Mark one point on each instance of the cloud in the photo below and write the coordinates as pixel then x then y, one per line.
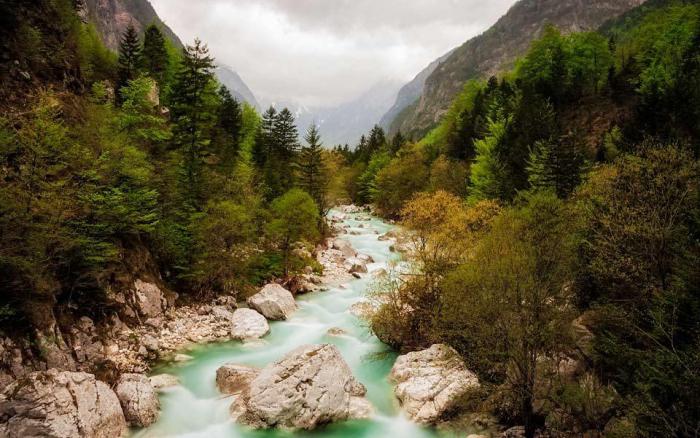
pixel 323 52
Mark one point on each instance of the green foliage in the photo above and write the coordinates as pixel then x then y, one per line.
pixel 155 55
pixel 294 218
pixel 129 56
pixel 366 182
pixel 398 181
pixel 556 165
pixel 486 177
pixel 313 174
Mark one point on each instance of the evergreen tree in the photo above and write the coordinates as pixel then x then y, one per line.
pixel 155 55
pixel 556 165
pixel 397 142
pixel 285 149
pixel 129 56
pixel 377 139
pixel 313 177
pixel 229 125
pixel 262 152
pixel 194 108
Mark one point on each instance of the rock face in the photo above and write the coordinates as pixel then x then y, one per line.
pixel 234 379
pixel 309 387
pixel 274 302
pixel 429 382
pixel 60 405
pixel 150 300
pixel 248 324
pixel 138 399
pixel 496 49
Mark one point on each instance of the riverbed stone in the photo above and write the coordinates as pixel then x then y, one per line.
pixel 311 386
pixel 355 266
pixel 162 381
pixel 150 300
pixel 344 247
pixel 248 324
pixel 274 302
pixel 232 378
pixel 430 382
pixel 138 399
pixel 60 404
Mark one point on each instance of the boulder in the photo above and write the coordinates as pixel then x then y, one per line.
pixel 182 357
pixel 138 399
pixel 311 386
pixel 430 382
pixel 149 299
pixel 234 379
pixel 355 265
pixel 87 346
pixel 248 324
pixel 274 302
pixel 365 258
pixel 161 381
pixel 344 247
pixel 60 404
pixel 221 313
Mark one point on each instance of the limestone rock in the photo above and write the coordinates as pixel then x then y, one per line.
pixel 429 382
pixel 233 379
pixel 311 386
pixel 274 302
pixel 138 399
pixel 61 404
pixel 344 247
pixel 248 324
pixel 355 266
pixel 150 300
pixel 161 381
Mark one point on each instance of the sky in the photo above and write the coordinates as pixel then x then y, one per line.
pixel 325 52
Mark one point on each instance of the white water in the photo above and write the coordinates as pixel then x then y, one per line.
pixel 197 409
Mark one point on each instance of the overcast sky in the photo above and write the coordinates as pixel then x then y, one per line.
pixel 324 52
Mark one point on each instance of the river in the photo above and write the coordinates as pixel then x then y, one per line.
pixel 195 408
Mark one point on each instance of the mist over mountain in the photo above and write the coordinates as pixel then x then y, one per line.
pixel 232 80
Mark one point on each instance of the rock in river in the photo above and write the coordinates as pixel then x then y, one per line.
pixel 429 382
pixel 248 324
pixel 138 399
pixel 60 404
pixel 311 386
pixel 234 379
pixel 274 302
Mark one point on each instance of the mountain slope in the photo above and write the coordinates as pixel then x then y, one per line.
pixel 229 78
pixel 112 17
pixel 411 91
pixel 498 47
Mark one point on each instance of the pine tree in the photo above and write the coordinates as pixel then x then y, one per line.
pixel 313 177
pixel 194 105
pixel 229 125
pixel 397 142
pixel 129 56
pixel 262 152
pixel 285 146
pixel 155 55
pixel 557 165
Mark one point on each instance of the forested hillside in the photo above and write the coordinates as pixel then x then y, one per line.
pixel 496 49
pixel 555 216
pixel 135 166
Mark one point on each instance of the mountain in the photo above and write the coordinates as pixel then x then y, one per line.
pixel 497 48
pixel 229 78
pixel 345 123
pixel 112 17
pixel 410 92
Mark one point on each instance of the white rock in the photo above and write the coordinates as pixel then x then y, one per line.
pixel 311 386
pixel 161 381
pixel 344 247
pixel 182 357
pixel 365 258
pixel 355 265
pixel 150 300
pixel 274 302
pixel 248 324
pixel 138 399
pixel 60 404
pixel 234 379
pixel 430 382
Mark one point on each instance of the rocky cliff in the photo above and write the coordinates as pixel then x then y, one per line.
pixel 112 17
pixel 497 48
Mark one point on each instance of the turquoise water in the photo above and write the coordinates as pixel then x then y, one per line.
pixel 195 408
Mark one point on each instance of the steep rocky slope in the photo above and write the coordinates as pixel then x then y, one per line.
pixel 112 17
pixel 232 80
pixel 498 47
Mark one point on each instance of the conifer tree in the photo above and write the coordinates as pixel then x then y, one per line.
pixel 194 105
pixel 557 165
pixel 313 177
pixel 397 142
pixel 229 125
pixel 262 152
pixel 155 55
pixel 285 146
pixel 129 56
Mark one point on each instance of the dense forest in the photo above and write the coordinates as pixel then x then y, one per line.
pixel 554 213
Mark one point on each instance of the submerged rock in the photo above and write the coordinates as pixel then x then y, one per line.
pixel 311 386
pixel 60 404
pixel 162 381
pixel 430 382
pixel 274 302
pixel 234 379
pixel 248 324
pixel 138 399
